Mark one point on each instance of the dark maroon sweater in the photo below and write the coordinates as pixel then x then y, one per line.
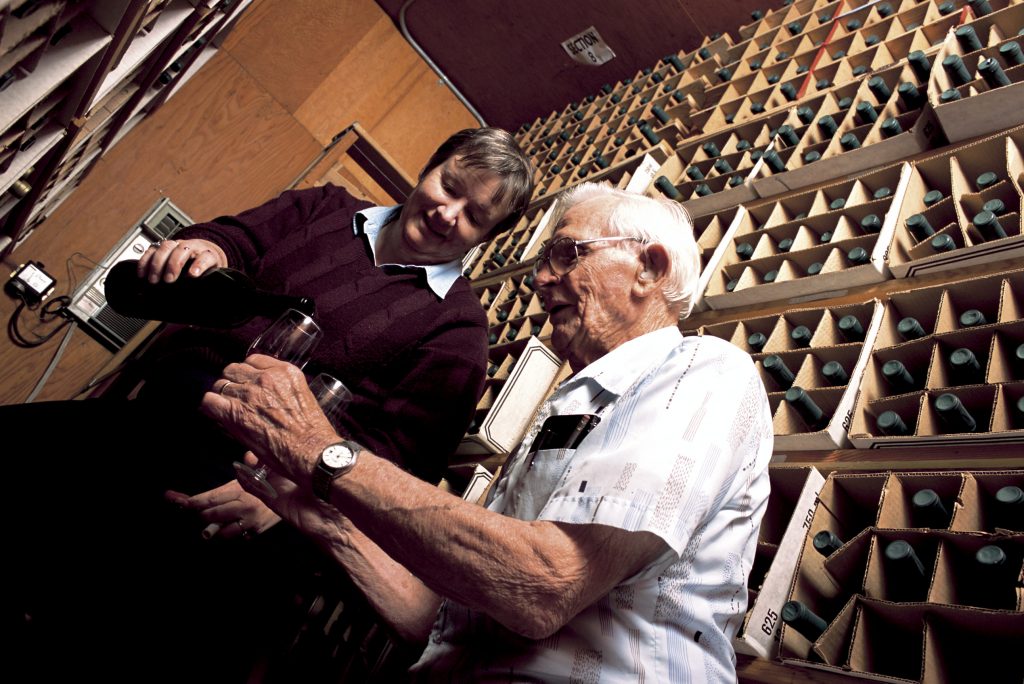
pixel 415 363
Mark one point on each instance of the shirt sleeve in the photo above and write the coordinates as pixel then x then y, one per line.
pixel 245 238
pixel 676 451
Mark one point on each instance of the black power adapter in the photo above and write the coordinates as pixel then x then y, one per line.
pixel 30 283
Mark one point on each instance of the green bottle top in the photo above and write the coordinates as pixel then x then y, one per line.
pixel 850 329
pixel 954 414
pixel 910 328
pixel 849 142
pixel 933 197
pixel 972 318
pixel 919 226
pixel 815 268
pixel 871 223
pixel 858 256
pixel 826 543
pixel 811 413
pixel 943 243
pixel 778 370
pixel 801 335
pixel 890 424
pixel 835 374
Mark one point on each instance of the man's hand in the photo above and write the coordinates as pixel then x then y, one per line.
pixel 166 260
pixel 230 511
pixel 266 405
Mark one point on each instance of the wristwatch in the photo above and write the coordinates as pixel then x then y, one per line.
pixel 334 461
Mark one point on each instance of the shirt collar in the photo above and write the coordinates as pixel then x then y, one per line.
pixel 370 221
pixel 618 369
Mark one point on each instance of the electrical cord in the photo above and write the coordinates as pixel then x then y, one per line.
pixel 53 362
pixel 48 314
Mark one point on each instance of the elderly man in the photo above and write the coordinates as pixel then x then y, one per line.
pixel 617 543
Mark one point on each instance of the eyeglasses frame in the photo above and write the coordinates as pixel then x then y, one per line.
pixel 545 253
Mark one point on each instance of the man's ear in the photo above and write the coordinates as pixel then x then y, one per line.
pixel 653 269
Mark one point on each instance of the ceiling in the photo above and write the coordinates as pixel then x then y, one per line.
pixel 507 57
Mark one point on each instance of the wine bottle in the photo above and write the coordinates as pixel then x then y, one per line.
pixel 742 145
pixel 220 298
pixel 785 244
pixel 711 149
pixel 850 329
pixel 812 156
pixel 835 374
pixel 1011 53
pixel 801 334
pixel 860 69
pixel 803 620
pixel 703 190
pixel 993 73
pixel 744 250
pixel 789 135
pixel 933 197
pixel 774 161
pixel 828 126
pixel 910 96
pixel 942 243
pixel 724 74
pixel 858 256
pixel 822 84
pixel 920 65
pixel 736 180
pixel 666 188
pixel 972 318
pixel 907 580
pixel 947 8
pixel 649 134
pixel 1009 508
pixel 789 91
pixel 910 329
pixel 995 580
pixel 995 206
pixel 811 413
pixel 837 203
pixel 849 142
pixel 954 415
pixel 928 510
pixel 882 192
pixel 949 95
pixel 661 114
pixel 731 285
pixel 957 70
pixel 502 315
pixel 880 89
pixel 965 367
pixel 919 227
pixel 815 268
pixel 967 38
pixel 890 127
pixel 845 103
pixel 492 369
pixel 722 166
pixel 988 224
pixel 826 237
pixel 757 107
pixel 826 543
pixel 756 341
pixel 891 424
pixel 986 180
pixel 871 223
pixel 980 7
pixel 854 24
pixel 779 371
pixel 694 173
pixel 898 377
pixel 865 113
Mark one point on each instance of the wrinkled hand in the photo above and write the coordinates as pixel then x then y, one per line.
pixel 166 260
pixel 267 406
pixel 302 510
pixel 230 511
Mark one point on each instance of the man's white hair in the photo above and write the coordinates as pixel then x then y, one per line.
pixel 652 220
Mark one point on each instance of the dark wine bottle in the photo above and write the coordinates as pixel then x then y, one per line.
pixel 890 127
pixel 770 276
pixel 995 206
pixel 789 91
pixel 910 329
pixel 858 256
pixel 835 374
pixel 957 70
pixel 828 126
pixel 803 620
pixel 731 285
pixel 965 367
pixel 866 113
pixel 826 543
pixel 972 318
pixel 928 510
pixel 949 95
pixel 711 149
pixel 988 224
pixel 954 415
pixel 871 223
pixel 947 8
pixel 850 329
pixel 919 226
pixel 722 166
pixel 810 412
pixel 220 298
pixel 1011 53
pixel 756 341
pixel 920 65
pixel 986 179
pixel 1009 508
pixel 907 579
pixel 910 96
pixel 812 156
pixel 774 161
pixel 785 244
pixel 993 73
pixel 801 335
pixel 815 268
pixel 882 192
pixel 694 173
pixel 805 114
pixel 849 142
pixel 666 188
pixel 703 190
pixel 995 579
pixel 942 243
pixel 779 371
pixel 980 7
pixel 967 38
pixel 880 89
pixel 890 423
pixel 933 197
pixel 898 377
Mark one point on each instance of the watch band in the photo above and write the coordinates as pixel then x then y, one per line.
pixel 334 461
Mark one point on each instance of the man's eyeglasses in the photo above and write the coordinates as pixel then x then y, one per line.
pixel 563 254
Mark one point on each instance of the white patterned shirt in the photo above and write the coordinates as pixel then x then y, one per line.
pixel 681 451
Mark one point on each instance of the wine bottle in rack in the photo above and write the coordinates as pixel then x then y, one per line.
pixel 1009 508
pixel 992 73
pixel 851 329
pixel 986 180
pixel 920 65
pixel 779 371
pixel 866 113
pixel 965 367
pixel 942 243
pixel 809 411
pixel 898 377
pixel 996 579
pixel 849 142
pixel 995 206
pixel 972 318
pixel 835 374
pixel 890 128
pixel 891 424
pixel 858 256
pixel 803 620
pixel 968 39
pixel 826 543
pixel 954 414
pixel 756 341
pixel 988 225
pixel 1011 54
pixel 908 580
pixel 666 188
pixel 919 226
pixel 802 335
pixel 928 510
pixel 909 328
pixel 880 89
pixel 956 70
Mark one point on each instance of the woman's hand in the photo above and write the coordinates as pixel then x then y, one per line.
pixel 230 511
pixel 166 260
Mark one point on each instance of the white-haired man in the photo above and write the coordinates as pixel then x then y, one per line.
pixel 617 543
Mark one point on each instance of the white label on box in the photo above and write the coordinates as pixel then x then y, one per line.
pixel 643 175
pixel 587 47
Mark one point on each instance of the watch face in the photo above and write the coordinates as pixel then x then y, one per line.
pixel 337 456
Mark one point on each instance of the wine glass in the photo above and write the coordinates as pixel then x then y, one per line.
pixel 291 338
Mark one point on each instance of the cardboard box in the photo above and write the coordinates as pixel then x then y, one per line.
pixel 765 226
pixel 982 110
pixel 989 394
pixel 714 236
pixel 511 408
pixel 954 174
pixel 876 630
pixel 794 493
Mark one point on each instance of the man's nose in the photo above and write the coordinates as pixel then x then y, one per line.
pixel 449 213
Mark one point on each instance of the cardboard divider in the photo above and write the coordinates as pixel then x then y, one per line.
pixel 888 640
pixel 1008 413
pixel 979 400
pixel 971 645
pixel 915 356
pixel 921 305
pixel 906 406
pixel 787 420
pixel 941 372
pixel 961 580
pixel 984 295
pixel 1005 365
pixel 896 510
pixel 885 581
pixel 980 510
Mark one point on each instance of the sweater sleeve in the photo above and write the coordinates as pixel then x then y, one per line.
pixel 429 400
pixel 245 238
